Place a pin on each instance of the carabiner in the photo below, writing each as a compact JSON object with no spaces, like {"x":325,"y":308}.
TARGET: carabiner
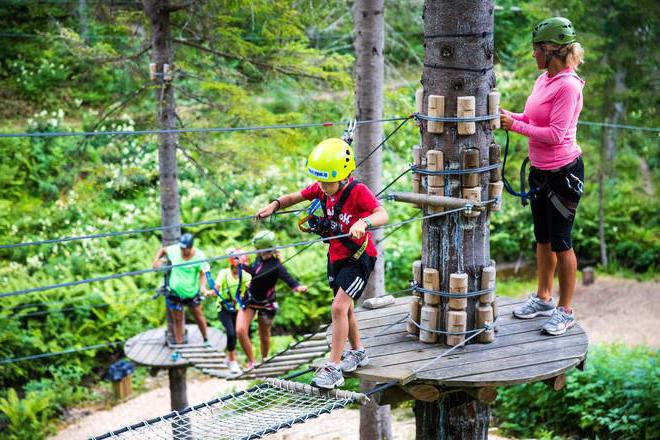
{"x":349,"y":131}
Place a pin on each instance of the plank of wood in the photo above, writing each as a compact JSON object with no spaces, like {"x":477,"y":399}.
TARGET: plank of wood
{"x":281,"y":364}
{"x":304,"y":356}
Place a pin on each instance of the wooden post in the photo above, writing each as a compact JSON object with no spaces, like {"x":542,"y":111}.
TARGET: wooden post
{"x":457,"y":67}
{"x":179,"y":400}
{"x":417,"y":178}
{"x":436,"y":108}
{"x":493,"y":109}
{"x":369,"y":41}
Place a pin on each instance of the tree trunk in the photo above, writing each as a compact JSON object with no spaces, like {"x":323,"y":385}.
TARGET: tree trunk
{"x":613,"y":112}
{"x":375,"y":422}
{"x":82,"y":14}
{"x":458,"y":61}
{"x":162,"y":54}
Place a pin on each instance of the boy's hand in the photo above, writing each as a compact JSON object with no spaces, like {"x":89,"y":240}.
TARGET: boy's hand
{"x":358,"y":229}
{"x":267,"y":210}
{"x":301,"y":288}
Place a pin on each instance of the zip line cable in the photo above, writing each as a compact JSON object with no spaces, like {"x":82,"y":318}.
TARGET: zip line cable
{"x":208,"y":260}
{"x":191,"y":130}
{"x":58,"y":353}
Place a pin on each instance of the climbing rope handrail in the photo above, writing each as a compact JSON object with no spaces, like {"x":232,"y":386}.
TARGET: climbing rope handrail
{"x":445,"y":332}
{"x":192,"y":130}
{"x":423,"y":117}
{"x":139,"y":231}
{"x":211,"y":260}
{"x":58,"y":353}
{"x":263,"y":409}
{"x":417,"y":288}
{"x":454,"y":172}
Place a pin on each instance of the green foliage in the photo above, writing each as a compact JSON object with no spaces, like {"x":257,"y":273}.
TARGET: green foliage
{"x":615,"y":397}
{"x":27,"y":417}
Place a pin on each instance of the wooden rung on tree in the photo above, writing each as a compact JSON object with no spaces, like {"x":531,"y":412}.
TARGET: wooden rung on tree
{"x":485,"y":315}
{"x":488,"y":282}
{"x":436,"y":108}
{"x":431,"y":282}
{"x":495,"y":192}
{"x":458,"y":283}
{"x":419,"y":101}
{"x":456,"y":321}
{"x":428,"y":320}
{"x":493,"y":109}
{"x":470,"y":160}
{"x":415,"y":311}
{"x":435,"y":162}
{"x":417,"y":178}
{"x":153,"y":71}
{"x":417,"y":269}
{"x":465,"y":108}
{"x":474,"y":195}
{"x":493,"y":158}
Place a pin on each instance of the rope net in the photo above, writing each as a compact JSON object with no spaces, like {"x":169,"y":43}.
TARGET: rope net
{"x":258,"y":411}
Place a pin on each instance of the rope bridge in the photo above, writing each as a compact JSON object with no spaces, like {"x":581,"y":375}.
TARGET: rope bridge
{"x":254,"y":413}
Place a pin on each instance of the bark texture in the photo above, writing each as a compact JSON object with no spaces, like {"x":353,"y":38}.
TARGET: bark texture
{"x":159,"y":15}
{"x":375,"y":422}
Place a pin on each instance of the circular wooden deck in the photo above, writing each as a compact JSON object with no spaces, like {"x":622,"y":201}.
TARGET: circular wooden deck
{"x":149,"y":348}
{"x":519,"y":354}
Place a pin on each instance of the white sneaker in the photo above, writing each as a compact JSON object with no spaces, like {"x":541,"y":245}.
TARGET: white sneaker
{"x":234,"y":368}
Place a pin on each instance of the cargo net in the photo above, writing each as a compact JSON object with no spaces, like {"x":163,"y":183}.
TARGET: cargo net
{"x":254,"y":413}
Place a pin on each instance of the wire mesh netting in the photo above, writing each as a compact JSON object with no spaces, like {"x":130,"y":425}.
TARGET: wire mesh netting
{"x":258,"y":411}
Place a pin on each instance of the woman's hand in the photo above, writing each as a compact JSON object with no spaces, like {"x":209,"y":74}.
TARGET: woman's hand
{"x":267,"y":210}
{"x":358,"y":229}
{"x":506,"y":121}
{"x":301,"y":288}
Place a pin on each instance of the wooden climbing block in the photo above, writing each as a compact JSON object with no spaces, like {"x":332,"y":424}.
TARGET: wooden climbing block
{"x":433,"y":191}
{"x":431,"y":282}
{"x":414,"y":310}
{"x":123,"y":388}
{"x":428,"y":320}
{"x":435,"y":162}
{"x":456,"y":321}
{"x":419,"y":101}
{"x":493,"y":158}
{"x":485,"y":315}
{"x":488,"y":282}
{"x":473,"y":194}
{"x":495,"y":192}
{"x":470,"y":159}
{"x":417,"y":178}
{"x":458,"y":283}
{"x":493,"y":109}
{"x":465,"y":108}
{"x":417,"y":274}
{"x":436,"y":107}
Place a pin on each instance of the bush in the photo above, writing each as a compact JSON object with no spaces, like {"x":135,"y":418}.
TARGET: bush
{"x":615,"y":397}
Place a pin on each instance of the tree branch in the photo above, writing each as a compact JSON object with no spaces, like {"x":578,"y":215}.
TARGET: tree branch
{"x":174,"y":8}
{"x":240,"y":58}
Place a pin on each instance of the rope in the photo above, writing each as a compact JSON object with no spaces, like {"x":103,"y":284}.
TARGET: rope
{"x":416,"y":288}
{"x":624,"y":126}
{"x":138,"y":231}
{"x":405,"y":120}
{"x":449,"y":172}
{"x":58,"y":353}
{"x":423,"y":117}
{"x":191,"y":130}
{"x":393,"y":182}
{"x":208,"y":260}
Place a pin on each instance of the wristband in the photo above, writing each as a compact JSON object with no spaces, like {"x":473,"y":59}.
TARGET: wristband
{"x":368,"y":222}
{"x":279,"y":204}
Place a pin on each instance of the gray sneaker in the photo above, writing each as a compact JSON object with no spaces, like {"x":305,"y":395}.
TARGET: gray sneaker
{"x":328,"y":377}
{"x":535,"y":307}
{"x":354,"y":359}
{"x":560,"y":321}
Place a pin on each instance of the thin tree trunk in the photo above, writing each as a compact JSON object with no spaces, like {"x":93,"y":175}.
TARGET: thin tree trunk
{"x":162,"y":54}
{"x":458,"y":60}
{"x":375,"y":421}
{"x":82,"y":15}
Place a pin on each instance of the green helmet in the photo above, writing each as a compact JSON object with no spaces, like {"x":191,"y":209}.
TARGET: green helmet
{"x":557,"y":30}
{"x":264,"y":239}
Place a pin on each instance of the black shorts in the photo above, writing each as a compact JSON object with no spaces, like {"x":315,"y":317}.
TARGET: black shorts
{"x":175,"y":302}
{"x":265,"y":310}
{"x":553,"y":208}
{"x":350,"y":275}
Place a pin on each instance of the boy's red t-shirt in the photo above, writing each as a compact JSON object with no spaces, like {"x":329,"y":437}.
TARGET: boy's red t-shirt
{"x":361,"y":203}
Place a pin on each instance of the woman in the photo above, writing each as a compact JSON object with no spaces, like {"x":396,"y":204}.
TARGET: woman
{"x":265,"y":271}
{"x":550,"y":122}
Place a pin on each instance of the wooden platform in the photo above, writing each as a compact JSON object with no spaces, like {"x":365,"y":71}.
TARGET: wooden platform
{"x":519,"y":354}
{"x":149,"y":348}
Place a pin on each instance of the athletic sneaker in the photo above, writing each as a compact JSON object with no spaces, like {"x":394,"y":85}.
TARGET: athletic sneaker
{"x":250,"y":365}
{"x":534,"y":307}
{"x":328,"y":377}
{"x":175,"y":356}
{"x":354,"y":359}
{"x":234,"y":368}
{"x":560,"y":321}
{"x":207,"y":344}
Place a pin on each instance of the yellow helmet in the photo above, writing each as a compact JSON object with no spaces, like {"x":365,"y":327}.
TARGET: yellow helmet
{"x":331,"y":161}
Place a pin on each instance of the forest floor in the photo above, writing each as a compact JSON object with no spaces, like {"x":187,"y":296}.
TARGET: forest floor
{"x":612,"y":310}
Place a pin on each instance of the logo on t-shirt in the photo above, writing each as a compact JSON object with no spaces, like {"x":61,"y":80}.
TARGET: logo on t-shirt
{"x":345,"y":218}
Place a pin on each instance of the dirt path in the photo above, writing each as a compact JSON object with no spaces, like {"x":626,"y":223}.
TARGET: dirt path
{"x":611,"y":310}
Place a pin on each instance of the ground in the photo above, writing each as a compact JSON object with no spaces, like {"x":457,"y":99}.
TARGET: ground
{"x":611,"y":310}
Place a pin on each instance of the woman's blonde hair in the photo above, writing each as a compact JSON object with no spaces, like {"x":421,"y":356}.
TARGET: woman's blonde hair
{"x":572,"y":54}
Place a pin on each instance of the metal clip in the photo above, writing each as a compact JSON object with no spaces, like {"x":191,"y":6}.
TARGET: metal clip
{"x":349,"y":131}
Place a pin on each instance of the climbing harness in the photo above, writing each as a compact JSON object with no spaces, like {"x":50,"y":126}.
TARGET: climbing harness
{"x":229,"y":305}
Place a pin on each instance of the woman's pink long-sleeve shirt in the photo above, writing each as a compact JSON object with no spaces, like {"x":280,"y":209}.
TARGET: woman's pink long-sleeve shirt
{"x":550,"y":119}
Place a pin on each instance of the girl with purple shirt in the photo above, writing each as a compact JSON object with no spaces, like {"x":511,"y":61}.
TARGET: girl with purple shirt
{"x":549,"y":120}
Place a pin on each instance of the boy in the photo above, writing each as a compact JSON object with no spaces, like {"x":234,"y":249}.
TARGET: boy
{"x":348,"y":207}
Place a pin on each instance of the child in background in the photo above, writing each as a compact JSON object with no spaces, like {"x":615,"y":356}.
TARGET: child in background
{"x":230,"y":286}
{"x":348,"y":207}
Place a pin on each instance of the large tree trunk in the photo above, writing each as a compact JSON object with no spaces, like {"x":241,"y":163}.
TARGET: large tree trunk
{"x":159,"y":15}
{"x":613,"y":111}
{"x":458,"y":60}
{"x":375,"y":420}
